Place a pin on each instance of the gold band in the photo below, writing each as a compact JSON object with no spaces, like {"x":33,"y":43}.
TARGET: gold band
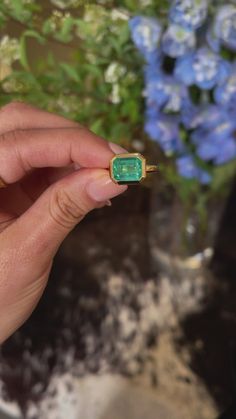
{"x":2,"y":184}
{"x":151,"y":168}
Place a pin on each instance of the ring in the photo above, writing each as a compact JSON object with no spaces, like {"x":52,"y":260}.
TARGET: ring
{"x":2,"y":183}
{"x":130,"y":168}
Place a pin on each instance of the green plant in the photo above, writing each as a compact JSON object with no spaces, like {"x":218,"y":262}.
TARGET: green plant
{"x":76,"y":58}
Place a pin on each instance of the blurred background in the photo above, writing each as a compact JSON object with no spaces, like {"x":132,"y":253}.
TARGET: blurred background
{"x":139,"y":317}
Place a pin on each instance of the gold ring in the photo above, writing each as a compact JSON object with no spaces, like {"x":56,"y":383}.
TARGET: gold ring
{"x":130,"y":168}
{"x":2,"y":183}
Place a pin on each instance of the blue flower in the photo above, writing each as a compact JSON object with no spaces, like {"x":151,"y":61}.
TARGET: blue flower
{"x":225,"y":93}
{"x":187,"y":168}
{"x":184,"y":69}
{"x":177,"y":41}
{"x":146,"y":33}
{"x":222,"y":130}
{"x":227,"y":151}
{"x":151,"y":112}
{"x":165,"y":131}
{"x":157,"y":90}
{"x":219,"y":150}
{"x":212,"y":124}
{"x":154,"y":58}
{"x":209,"y":125}
{"x":213,"y":134}
{"x":188,"y":113}
{"x":212,"y":40}
{"x":209,"y":116}
{"x":204,"y":177}
{"x":153,"y":68}
{"x":189,"y":13}
{"x":204,"y":68}
{"x":224,"y":27}
{"x":164,"y":91}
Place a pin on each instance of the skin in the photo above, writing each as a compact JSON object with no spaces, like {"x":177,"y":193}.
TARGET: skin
{"x":56,"y":172}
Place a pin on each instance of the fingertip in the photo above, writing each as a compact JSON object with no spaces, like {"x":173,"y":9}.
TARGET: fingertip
{"x":116,"y":148}
{"x":102,"y":188}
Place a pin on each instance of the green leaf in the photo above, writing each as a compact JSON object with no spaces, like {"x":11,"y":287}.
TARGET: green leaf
{"x":65,"y":34}
{"x":93,"y":70}
{"x":96,"y":126}
{"x":19,"y":10}
{"x":131,"y":5}
{"x":23,"y":50}
{"x":3,"y":19}
{"x":83,"y":27}
{"x":71,"y":72}
{"x":130,"y":108}
{"x":47,"y":27}
{"x":124,"y":35}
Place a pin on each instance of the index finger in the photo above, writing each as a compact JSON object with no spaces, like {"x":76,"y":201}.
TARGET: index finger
{"x":19,"y":115}
{"x":23,"y":150}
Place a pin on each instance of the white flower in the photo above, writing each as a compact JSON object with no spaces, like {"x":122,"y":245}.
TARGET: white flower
{"x":65,"y":4}
{"x":115,"y":94}
{"x":9,"y":50}
{"x":114,"y":72}
{"x":117,"y":14}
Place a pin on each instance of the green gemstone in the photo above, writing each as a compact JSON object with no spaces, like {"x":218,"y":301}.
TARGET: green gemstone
{"x":127,"y":169}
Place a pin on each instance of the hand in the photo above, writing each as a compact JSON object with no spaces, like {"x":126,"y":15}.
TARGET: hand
{"x":44,"y":199}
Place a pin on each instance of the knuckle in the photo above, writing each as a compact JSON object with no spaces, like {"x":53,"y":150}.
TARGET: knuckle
{"x":10,"y":141}
{"x":11,"y":136}
{"x":64,"y":210}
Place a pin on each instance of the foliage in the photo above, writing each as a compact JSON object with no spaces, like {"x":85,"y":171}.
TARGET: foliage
{"x":82,"y":59}
{"x":75,"y":58}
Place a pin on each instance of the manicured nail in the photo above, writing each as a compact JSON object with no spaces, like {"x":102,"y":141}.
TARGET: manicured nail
{"x":103,"y":188}
{"x":117,"y":149}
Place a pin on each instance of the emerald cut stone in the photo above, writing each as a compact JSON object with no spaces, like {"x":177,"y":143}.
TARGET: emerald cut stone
{"x":127,"y":169}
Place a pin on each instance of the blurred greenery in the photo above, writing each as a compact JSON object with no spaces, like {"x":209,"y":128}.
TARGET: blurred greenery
{"x":98,"y":82}
{"x":76,"y":58}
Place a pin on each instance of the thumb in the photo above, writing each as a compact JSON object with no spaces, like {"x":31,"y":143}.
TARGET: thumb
{"x":28,"y":246}
{"x":62,"y":206}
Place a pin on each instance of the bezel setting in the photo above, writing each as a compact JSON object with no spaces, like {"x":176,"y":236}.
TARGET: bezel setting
{"x":128,"y":156}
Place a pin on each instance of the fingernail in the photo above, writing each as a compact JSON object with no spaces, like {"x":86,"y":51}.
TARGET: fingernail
{"x":108,"y":203}
{"x":117,"y":149}
{"x":103,"y":189}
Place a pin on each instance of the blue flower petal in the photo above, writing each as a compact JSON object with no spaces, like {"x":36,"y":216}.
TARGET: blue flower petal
{"x":204,"y":177}
{"x":189,"y":113}
{"x":164,"y":91}
{"x":184,"y":69}
{"x":209,"y":116}
{"x":225,"y":26}
{"x":189,"y":13}
{"x":227,"y":151}
{"x":146,"y":33}
{"x":225,"y":93}
{"x":207,"y":68}
{"x":208,"y":150}
{"x":177,"y":41}
{"x":187,"y":168}
{"x":164,"y":130}
{"x":203,"y":68}
{"x":212,"y":40}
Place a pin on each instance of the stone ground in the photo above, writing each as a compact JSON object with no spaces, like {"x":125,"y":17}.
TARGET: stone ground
{"x":109,"y":336}
{"x":179,"y":394}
